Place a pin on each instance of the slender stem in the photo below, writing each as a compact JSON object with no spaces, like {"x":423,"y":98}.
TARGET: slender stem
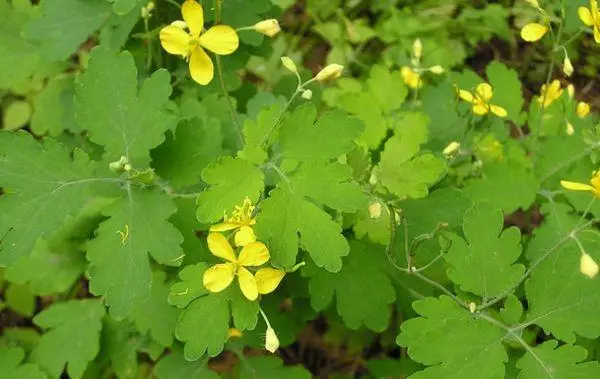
{"x":149,"y":44}
{"x":431,"y":262}
{"x":590,"y":205}
{"x":437,"y":285}
{"x":280,"y":118}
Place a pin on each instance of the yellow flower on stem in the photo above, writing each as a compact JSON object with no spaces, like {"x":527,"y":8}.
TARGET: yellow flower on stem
{"x":220,"y":39}
{"x":411,"y":77}
{"x":591,"y":17}
{"x":593,"y":188}
{"x":481,"y":100}
{"x":550,"y":93}
{"x":533,"y":32}
{"x":241,"y":221}
{"x":219,"y":277}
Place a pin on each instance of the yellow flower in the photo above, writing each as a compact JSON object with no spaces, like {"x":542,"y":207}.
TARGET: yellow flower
{"x":220,"y":39}
{"x":550,"y":94}
{"x":241,"y":220}
{"x":481,"y":100}
{"x":411,"y":77}
{"x":220,"y":276}
{"x":591,"y":17}
{"x":593,"y":188}
{"x":588,"y":266}
{"x":533,"y":32}
{"x":267,"y":27}
{"x":583,"y":109}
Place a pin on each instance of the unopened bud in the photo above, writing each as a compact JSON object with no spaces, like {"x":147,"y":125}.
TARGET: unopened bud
{"x":451,"y":148}
{"x":179,"y":24}
{"x":375,"y":210}
{"x":567,"y":66}
{"x":119,"y":165}
{"x":128,"y":167}
{"x":533,"y":3}
{"x":271,"y":341}
{"x":472,"y":307}
{"x":289,"y":64}
{"x":437,"y":69}
{"x":332,"y":71}
{"x":588,"y":266}
{"x":571,"y":91}
{"x":583,"y":109}
{"x":570,"y":129}
{"x":267,"y":27}
{"x":417,"y":48}
{"x":147,"y":10}
{"x":307,"y":94}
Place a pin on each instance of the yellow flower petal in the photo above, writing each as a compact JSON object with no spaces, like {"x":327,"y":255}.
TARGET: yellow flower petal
{"x":585,"y":15}
{"x":244,"y":236}
{"x":174,"y":40}
{"x":465,"y":95}
{"x":193,"y":15}
{"x":224,"y":227}
{"x":247,"y":284}
{"x":484,"y":91}
{"x":533,"y":32}
{"x":597,"y":33}
{"x":253,"y":254}
{"x":267,"y":279}
{"x":498,"y":111}
{"x":220,"y":39}
{"x":218,"y":277}
{"x":220,"y":247}
{"x":480,"y":109}
{"x":201,"y":67}
{"x":574,"y":186}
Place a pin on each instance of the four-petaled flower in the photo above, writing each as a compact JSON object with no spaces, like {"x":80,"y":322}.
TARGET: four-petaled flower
{"x":219,"y":277}
{"x":220,"y":39}
{"x":593,"y":188}
{"x":241,"y":221}
{"x":411,"y":77}
{"x":591,"y":17}
{"x":481,"y":100}
{"x":550,"y":94}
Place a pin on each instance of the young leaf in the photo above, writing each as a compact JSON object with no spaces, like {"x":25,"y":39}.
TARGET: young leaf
{"x":484,"y":263}
{"x":231,"y":180}
{"x":11,"y":367}
{"x":266,"y":367}
{"x":566,"y":361}
{"x":66,"y":24}
{"x":43,"y":185}
{"x":363,"y":291}
{"x":175,"y":365}
{"x":512,"y":311}
{"x":126,"y":122}
{"x":453,"y":342}
{"x":120,"y":270}
{"x":61,"y":322}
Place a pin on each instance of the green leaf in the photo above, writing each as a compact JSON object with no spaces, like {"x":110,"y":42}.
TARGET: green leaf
{"x":376,"y":228}
{"x":484,"y":263}
{"x":506,"y":186}
{"x":512,"y":311}
{"x":286,"y":220}
{"x":65,"y":25}
{"x":120,"y":342}
{"x":564,"y":362}
{"x":120,"y":270}
{"x":231,"y":180}
{"x":439,"y":103}
{"x":61,"y":322}
{"x":240,"y":13}
{"x":182,"y":157}
{"x":16,"y":115}
{"x":331,"y":136}
{"x":270,"y":367}
{"x":190,"y":287}
{"x":387,"y":88}
{"x":204,"y":324}
{"x":126,"y":122}
{"x":258,"y":132}
{"x":507,"y":89}
{"x":55,"y":109}
{"x":20,"y":299}
{"x":465,"y":346}
{"x":402,"y":170}
{"x":176,"y":366}
{"x":155,"y":315}
{"x":560,"y":298}
{"x":42,"y":182}
{"x":11,"y":367}
{"x":123,"y":6}
{"x":363,"y":291}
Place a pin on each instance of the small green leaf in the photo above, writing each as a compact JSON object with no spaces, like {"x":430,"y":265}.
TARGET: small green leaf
{"x":54,"y":108}
{"x":20,"y":299}
{"x":550,"y":361}
{"x":363,"y":291}
{"x":120,"y":343}
{"x":512,"y":311}
{"x":507,"y":89}
{"x":11,"y":367}
{"x":190,"y":287}
{"x":122,"y":7}
{"x":484,"y":263}
{"x":267,"y":367}
{"x":61,"y":322}
{"x":231,"y":180}
{"x":176,"y":366}
{"x":258,"y":133}
{"x":16,"y":115}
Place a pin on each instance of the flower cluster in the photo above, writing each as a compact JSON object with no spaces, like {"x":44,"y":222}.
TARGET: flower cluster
{"x":412,"y":74}
{"x":252,"y":254}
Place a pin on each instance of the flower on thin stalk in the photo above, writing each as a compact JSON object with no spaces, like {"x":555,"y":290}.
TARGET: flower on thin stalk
{"x":534,"y":31}
{"x":188,"y":39}
{"x":480,"y":99}
{"x":593,"y":187}
{"x":267,"y":27}
{"x":591,"y":17}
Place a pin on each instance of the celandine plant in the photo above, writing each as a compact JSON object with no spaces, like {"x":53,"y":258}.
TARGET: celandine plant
{"x":182,"y":198}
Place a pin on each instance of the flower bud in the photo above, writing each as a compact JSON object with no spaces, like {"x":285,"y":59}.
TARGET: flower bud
{"x":534,"y":3}
{"x":437,"y":69}
{"x":568,"y":66}
{"x":307,"y":94}
{"x":119,"y":165}
{"x":180,"y":24}
{"x":289,"y":64}
{"x":588,"y":266}
{"x":570,"y":129}
{"x":375,"y":210}
{"x":571,"y":91}
{"x":332,"y":71}
{"x":417,"y":48}
{"x":267,"y":27}
{"x":472,"y":307}
{"x":583,"y":109}
{"x":451,"y":148}
{"x":271,"y":341}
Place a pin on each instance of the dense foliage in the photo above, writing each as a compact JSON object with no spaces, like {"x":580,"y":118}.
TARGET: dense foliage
{"x":280,"y":189}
